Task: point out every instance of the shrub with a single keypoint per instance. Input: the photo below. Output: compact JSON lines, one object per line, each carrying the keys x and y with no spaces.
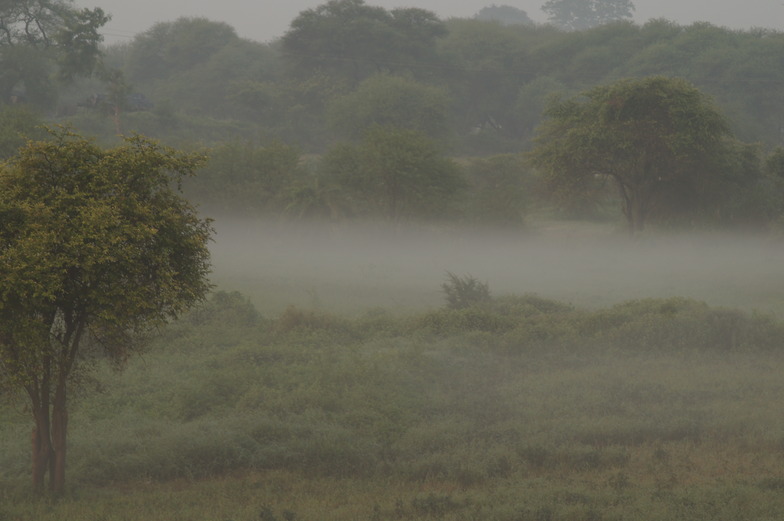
{"x":463,"y":292}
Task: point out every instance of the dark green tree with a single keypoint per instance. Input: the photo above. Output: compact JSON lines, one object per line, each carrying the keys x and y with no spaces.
{"x":246,"y":179}
{"x":396,"y":174}
{"x":352,"y":40}
{"x":43,"y":39}
{"x":578,"y":15}
{"x":385,"y":100}
{"x":655,"y":138}
{"x":96,"y":248}
{"x":504,"y":14}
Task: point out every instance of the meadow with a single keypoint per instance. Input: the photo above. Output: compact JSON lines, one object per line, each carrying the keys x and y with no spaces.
{"x":325,"y":379}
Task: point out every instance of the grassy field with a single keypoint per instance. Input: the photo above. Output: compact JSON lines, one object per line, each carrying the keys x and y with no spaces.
{"x":518,"y":409}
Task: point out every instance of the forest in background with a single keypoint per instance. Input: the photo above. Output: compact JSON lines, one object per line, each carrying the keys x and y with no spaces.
{"x":298,"y":127}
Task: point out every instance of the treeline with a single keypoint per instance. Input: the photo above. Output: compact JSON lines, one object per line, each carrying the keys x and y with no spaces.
{"x":356,"y":110}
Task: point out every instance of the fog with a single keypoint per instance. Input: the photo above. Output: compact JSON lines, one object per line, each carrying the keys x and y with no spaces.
{"x":265,"y":21}
{"x":350,"y":269}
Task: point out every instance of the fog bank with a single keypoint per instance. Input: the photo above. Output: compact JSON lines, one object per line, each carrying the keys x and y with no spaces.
{"x":352,"y":268}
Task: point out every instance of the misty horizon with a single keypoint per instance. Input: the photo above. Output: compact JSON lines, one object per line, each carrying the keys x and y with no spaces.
{"x":272,"y":20}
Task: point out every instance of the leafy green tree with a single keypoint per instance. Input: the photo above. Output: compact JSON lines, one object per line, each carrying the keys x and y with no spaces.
{"x":352,"y":40}
{"x":385,"y":100}
{"x":499,"y":190}
{"x":18,"y":123}
{"x":40,"y":37}
{"x":395,"y":173}
{"x":655,"y":138}
{"x":504,"y":14}
{"x":578,"y":15}
{"x":484,"y":65}
{"x":246,"y":179}
{"x":96,"y":248}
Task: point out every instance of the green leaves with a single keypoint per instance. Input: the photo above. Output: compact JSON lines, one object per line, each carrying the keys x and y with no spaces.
{"x":99,"y":236}
{"x":655,"y":138}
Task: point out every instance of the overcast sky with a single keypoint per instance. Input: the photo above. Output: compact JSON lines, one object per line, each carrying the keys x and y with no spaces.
{"x":268,"y":19}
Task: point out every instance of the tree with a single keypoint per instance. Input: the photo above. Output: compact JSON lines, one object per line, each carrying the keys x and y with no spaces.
{"x":96,"y":248}
{"x":397,"y":173}
{"x":246,"y":179}
{"x":37,"y":35}
{"x":504,"y":14}
{"x":387,"y":100}
{"x":352,"y":40}
{"x":577,"y":15}
{"x":656,"y":138}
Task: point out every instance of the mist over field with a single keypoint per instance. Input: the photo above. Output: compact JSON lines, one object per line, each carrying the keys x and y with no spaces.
{"x":350,"y":268}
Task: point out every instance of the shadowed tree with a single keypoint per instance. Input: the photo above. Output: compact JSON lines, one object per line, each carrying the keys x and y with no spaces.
{"x":577,"y":15}
{"x":38,"y":37}
{"x":655,"y":138}
{"x":96,"y":248}
{"x":397,"y":173}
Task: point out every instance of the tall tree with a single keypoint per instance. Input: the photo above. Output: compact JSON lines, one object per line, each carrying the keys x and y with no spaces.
{"x":95,"y":249}
{"x":656,"y":138}
{"x":39,"y":37}
{"x":577,"y":15}
{"x":352,"y":40}
{"x":395,"y":173}
{"x":504,"y":14}
{"x":388,"y":100}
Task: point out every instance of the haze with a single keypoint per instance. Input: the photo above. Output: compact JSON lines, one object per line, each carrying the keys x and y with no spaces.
{"x":354,"y":268}
{"x":265,"y":21}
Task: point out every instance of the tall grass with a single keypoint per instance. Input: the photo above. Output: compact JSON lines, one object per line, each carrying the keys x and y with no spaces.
{"x":512,"y":409}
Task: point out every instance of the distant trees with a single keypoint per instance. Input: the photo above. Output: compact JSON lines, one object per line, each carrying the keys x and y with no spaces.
{"x":352,"y":40}
{"x":42,"y":37}
{"x":197,"y":66}
{"x":243,"y":179}
{"x":578,"y":15}
{"x":504,"y":14}
{"x":394,"y":173}
{"x":391,"y":101}
{"x":655,"y":138}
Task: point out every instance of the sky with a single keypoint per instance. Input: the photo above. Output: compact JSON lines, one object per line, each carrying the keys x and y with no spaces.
{"x":267,"y":20}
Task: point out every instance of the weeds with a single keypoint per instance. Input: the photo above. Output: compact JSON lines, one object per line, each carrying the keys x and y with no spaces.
{"x":463,"y":292}
{"x":517,"y":408}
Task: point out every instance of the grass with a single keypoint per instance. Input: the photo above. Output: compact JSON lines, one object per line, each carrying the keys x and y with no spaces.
{"x":517,"y":409}
{"x":336,"y":387}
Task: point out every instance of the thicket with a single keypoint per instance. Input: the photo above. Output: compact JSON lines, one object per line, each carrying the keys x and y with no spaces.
{"x":475,"y":87}
{"x":452,"y":394}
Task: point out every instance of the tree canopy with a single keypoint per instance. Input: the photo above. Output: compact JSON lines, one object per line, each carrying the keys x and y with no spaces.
{"x":353,"y":40}
{"x":398,"y":174}
{"x":39,"y":36}
{"x":95,"y":249}
{"x":656,"y":138}
{"x":578,"y":15}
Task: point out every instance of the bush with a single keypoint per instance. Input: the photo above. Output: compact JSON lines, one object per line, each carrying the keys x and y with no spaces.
{"x":463,"y":292}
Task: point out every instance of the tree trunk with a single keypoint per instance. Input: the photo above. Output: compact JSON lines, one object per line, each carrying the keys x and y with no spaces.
{"x":59,"y":434}
{"x":42,"y":444}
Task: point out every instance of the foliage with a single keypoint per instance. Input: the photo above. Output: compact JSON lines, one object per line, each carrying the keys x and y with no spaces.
{"x":97,"y":248}
{"x":246,"y":179}
{"x":38,"y":35}
{"x":395,"y":173}
{"x":197,"y":66}
{"x":17,"y":124}
{"x":450,"y":413}
{"x":579,"y":15}
{"x":465,"y":291}
{"x":500,"y":190}
{"x":391,"y":101}
{"x":655,"y":138}
{"x":504,"y":14}
{"x":352,"y":40}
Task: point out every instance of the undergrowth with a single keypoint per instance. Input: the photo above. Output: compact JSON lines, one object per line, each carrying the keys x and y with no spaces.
{"x":513,"y":408}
